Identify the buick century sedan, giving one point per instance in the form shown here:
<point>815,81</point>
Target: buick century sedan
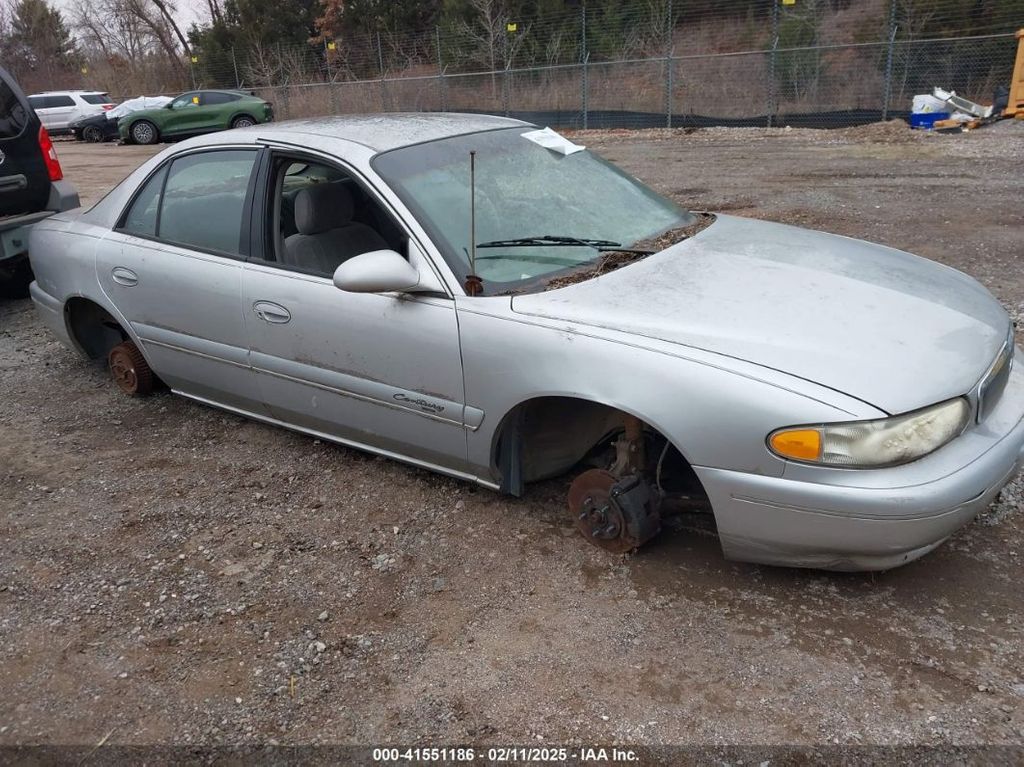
<point>490,300</point>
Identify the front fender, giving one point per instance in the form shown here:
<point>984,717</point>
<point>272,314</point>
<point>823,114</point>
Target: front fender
<point>717,411</point>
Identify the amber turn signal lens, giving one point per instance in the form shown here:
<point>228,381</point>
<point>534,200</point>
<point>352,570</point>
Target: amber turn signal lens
<point>801,444</point>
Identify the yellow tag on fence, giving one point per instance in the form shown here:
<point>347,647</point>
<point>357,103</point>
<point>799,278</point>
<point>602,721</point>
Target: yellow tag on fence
<point>511,26</point>
<point>331,45</point>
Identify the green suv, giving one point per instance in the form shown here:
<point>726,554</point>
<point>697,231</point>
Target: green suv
<point>192,113</point>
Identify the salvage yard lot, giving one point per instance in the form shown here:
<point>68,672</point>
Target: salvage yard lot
<point>172,573</point>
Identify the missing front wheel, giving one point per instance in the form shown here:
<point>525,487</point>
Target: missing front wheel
<point>617,515</point>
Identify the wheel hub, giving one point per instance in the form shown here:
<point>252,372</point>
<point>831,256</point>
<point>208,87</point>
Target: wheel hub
<point>129,369</point>
<point>616,515</point>
<point>595,515</point>
<point>123,371</point>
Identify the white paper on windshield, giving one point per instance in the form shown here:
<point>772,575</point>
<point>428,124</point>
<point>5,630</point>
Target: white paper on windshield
<point>548,139</point>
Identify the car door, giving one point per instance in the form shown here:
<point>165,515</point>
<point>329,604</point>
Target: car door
<point>377,370</point>
<point>47,115</point>
<point>173,269</point>
<point>184,114</point>
<point>59,111</point>
<point>214,110</point>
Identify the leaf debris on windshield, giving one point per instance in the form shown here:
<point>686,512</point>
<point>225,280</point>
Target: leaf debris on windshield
<point>617,259</point>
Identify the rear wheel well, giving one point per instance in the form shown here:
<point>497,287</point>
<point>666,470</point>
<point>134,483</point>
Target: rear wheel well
<point>547,436</point>
<point>93,329</point>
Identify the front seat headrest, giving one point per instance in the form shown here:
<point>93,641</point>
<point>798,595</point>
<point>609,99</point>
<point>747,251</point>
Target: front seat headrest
<point>322,207</point>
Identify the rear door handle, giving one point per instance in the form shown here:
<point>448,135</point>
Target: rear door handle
<point>268,311</point>
<point>123,276</point>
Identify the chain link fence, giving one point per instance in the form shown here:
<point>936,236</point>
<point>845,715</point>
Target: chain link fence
<point>812,63</point>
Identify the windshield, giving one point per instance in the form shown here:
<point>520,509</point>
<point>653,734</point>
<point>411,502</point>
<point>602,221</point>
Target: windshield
<point>522,191</point>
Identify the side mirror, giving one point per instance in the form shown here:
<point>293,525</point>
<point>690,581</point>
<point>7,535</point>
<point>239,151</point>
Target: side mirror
<point>379,271</point>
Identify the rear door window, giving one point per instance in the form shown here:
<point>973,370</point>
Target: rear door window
<point>197,201</point>
<point>37,102</point>
<point>218,98</point>
<point>13,115</point>
<point>204,200</point>
<point>59,101</point>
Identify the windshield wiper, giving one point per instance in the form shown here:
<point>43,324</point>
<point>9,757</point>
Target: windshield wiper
<point>548,240</point>
<point>533,259</point>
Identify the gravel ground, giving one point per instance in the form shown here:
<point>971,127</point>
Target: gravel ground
<point>174,574</point>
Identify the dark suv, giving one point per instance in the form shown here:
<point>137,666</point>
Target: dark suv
<point>31,184</point>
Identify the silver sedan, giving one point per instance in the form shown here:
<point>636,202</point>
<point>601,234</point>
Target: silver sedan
<point>488,300</point>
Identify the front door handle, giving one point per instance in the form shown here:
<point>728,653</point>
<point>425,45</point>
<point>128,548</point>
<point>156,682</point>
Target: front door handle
<point>268,311</point>
<point>125,277</point>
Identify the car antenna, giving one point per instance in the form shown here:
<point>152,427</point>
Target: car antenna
<point>473,285</point>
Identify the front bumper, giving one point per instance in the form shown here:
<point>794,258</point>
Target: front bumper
<point>838,519</point>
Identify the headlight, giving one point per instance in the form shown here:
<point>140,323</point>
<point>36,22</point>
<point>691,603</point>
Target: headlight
<point>864,444</point>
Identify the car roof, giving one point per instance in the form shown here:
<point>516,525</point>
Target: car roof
<point>383,132</point>
<point>232,91</point>
<point>54,93</point>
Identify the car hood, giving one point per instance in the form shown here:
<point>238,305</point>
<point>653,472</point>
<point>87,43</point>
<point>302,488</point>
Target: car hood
<point>89,120</point>
<point>891,329</point>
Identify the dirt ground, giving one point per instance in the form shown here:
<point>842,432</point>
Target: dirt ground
<point>174,574</point>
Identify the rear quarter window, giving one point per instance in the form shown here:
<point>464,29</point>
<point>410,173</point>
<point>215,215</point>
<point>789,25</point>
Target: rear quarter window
<point>141,217</point>
<point>13,115</point>
<point>219,98</point>
<point>96,98</point>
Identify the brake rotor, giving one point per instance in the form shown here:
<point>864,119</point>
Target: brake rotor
<point>129,369</point>
<point>595,515</point>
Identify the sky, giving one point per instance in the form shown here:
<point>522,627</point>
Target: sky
<point>188,11</point>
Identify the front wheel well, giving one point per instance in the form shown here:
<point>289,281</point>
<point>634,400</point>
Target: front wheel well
<point>547,436</point>
<point>93,329</point>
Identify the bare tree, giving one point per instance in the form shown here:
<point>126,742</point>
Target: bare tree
<point>489,31</point>
<point>133,46</point>
<point>108,25</point>
<point>133,29</point>
<point>296,62</point>
<point>263,65</point>
<point>216,15</point>
<point>5,25</point>
<point>652,34</point>
<point>167,16</point>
